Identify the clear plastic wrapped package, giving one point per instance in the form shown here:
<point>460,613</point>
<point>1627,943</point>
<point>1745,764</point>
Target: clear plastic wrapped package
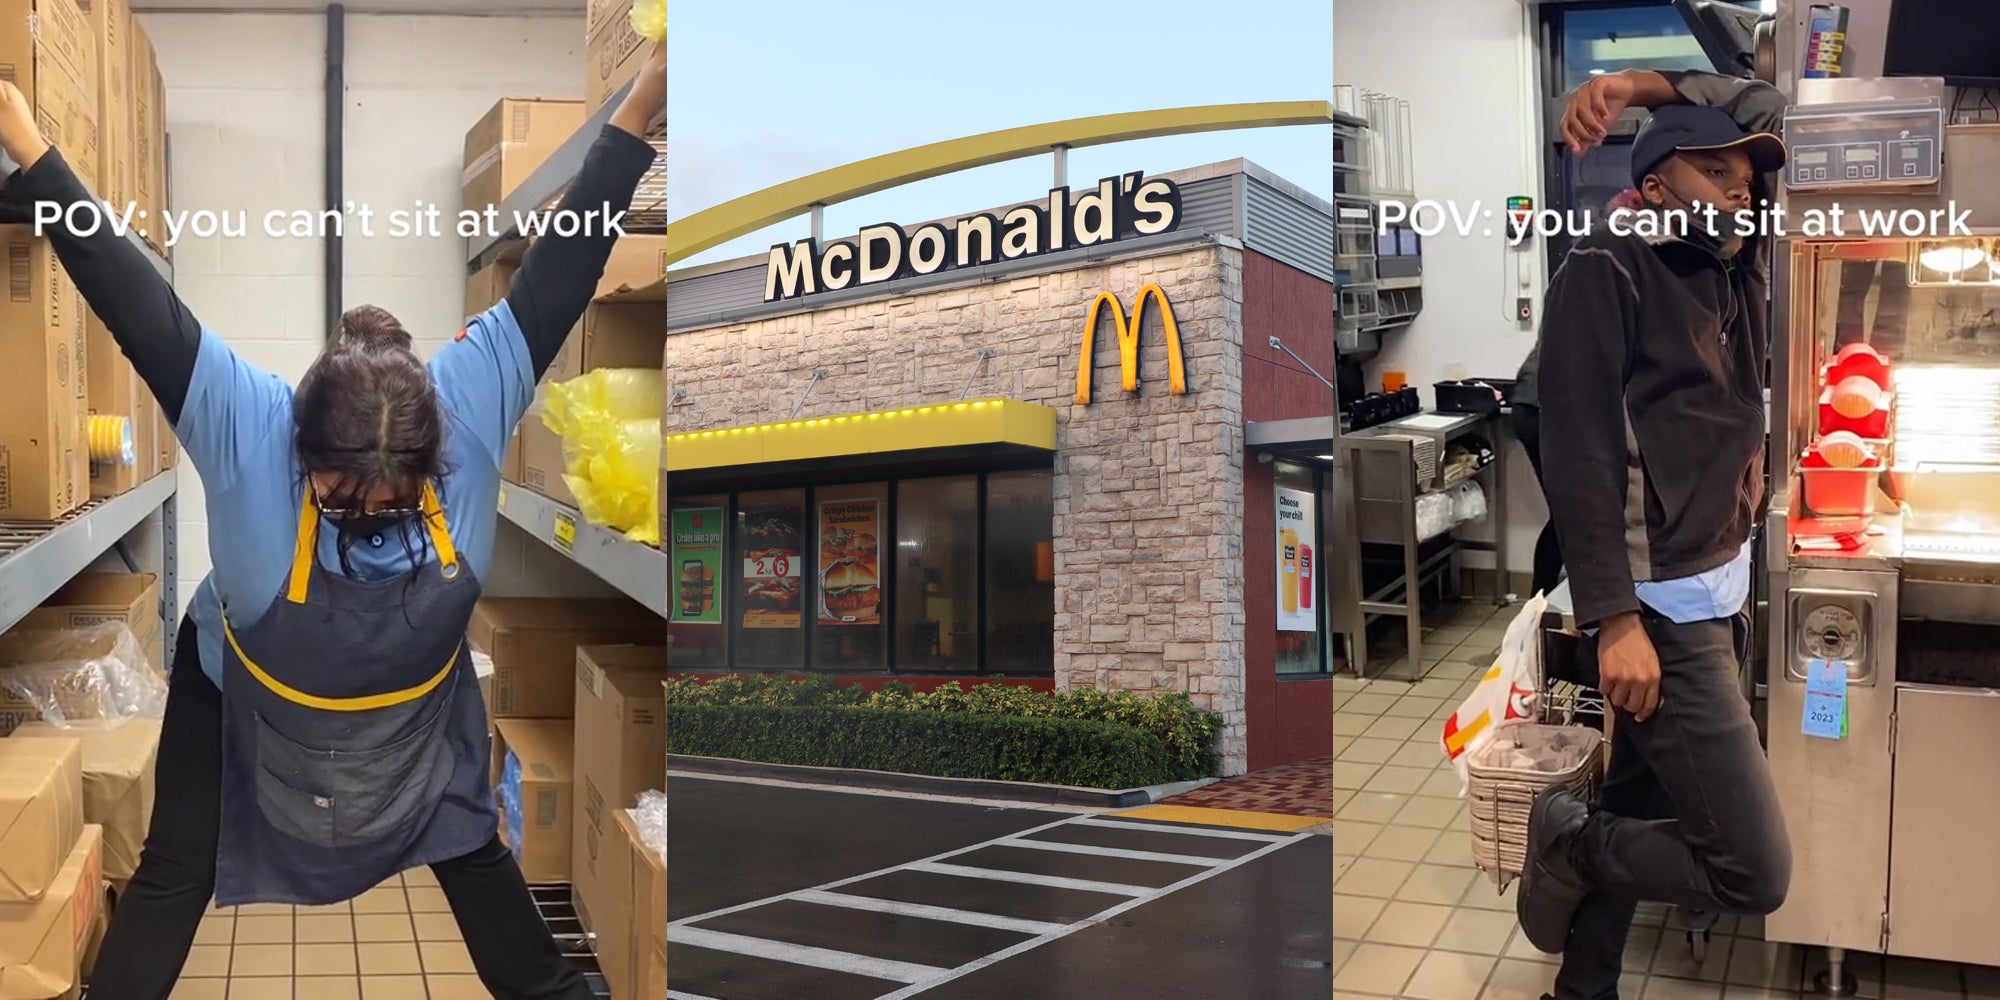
<point>82,676</point>
<point>651,819</point>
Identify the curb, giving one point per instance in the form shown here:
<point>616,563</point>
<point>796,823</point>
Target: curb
<point>925,784</point>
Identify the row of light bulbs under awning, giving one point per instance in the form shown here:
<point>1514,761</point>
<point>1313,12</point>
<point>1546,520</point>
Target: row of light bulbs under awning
<point>973,423</point>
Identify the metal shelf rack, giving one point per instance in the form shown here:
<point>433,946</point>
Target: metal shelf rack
<point>638,571</point>
<point>37,558</point>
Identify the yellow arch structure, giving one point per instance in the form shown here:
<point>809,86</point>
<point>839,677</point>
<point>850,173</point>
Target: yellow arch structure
<point>715,226</point>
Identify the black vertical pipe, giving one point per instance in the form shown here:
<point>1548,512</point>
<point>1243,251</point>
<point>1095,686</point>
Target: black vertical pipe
<point>336,150</point>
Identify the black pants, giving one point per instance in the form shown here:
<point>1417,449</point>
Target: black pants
<point>156,919</point>
<point>1548,552</point>
<point>1724,849</point>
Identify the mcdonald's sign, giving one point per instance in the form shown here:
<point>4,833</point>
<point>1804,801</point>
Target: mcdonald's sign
<point>1128,341</point>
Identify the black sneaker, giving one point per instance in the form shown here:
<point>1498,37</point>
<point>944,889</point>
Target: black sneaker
<point>1551,888</point>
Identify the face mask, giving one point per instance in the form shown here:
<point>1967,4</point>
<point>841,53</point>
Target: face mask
<point>1714,233</point>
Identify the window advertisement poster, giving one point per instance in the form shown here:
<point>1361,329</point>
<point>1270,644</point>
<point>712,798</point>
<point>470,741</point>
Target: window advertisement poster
<point>771,535</point>
<point>697,561</point>
<point>1296,545</point>
<point>850,591</point>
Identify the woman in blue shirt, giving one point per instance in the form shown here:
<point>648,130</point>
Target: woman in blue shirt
<point>324,730</point>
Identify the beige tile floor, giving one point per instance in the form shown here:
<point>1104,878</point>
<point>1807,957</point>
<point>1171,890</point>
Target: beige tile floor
<point>397,942</point>
<point>1413,919</point>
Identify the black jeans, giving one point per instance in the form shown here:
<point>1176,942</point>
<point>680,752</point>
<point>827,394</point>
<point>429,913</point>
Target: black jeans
<point>1724,849</point>
<point>156,919</point>
<point>1548,552</point>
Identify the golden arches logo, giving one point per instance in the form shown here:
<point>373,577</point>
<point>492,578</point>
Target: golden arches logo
<point>1128,341</point>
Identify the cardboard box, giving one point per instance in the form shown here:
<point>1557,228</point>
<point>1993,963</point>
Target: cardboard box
<point>148,153</point>
<point>654,981</point>
<point>488,286</point>
<point>118,763</point>
<point>41,814</point>
<point>638,262</point>
<point>632,916</point>
<point>532,764</point>
<point>533,644</point>
<point>111,30</point>
<point>169,457</point>
<point>622,334</point>
<point>161,180</point>
<point>113,392</point>
<point>508,142</point>
<point>613,52</point>
<point>55,64</point>
<point>43,944</point>
<point>92,599</point>
<point>44,468</point>
<point>649,888</point>
<point>620,727</point>
<point>512,469</point>
<point>542,460</point>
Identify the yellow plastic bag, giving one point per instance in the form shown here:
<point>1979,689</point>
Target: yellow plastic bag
<point>649,19</point>
<point>609,422</point>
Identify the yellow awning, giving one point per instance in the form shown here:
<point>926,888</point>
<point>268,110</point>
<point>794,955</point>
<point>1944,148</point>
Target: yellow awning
<point>1004,423</point>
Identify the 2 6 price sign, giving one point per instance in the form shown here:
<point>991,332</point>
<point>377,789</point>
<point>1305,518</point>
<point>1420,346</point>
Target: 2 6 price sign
<point>771,564</point>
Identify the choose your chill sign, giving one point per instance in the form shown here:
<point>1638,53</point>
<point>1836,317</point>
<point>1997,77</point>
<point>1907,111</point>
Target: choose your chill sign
<point>1295,560</point>
<point>1118,208</point>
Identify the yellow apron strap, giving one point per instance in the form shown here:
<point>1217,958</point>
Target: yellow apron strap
<point>434,522</point>
<point>304,552</point>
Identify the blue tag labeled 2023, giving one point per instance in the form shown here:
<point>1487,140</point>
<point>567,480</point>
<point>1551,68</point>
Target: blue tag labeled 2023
<point>1826,700</point>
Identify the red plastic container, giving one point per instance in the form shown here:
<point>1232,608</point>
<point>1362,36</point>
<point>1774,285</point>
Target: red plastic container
<point>1831,492</point>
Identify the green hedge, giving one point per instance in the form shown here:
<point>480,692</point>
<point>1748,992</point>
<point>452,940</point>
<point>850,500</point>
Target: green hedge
<point>1077,752</point>
<point>1187,733</point>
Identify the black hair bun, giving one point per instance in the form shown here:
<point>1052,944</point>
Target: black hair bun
<point>372,328</point>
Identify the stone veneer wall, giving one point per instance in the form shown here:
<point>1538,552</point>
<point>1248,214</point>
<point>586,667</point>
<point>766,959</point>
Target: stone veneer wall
<point>1148,486</point>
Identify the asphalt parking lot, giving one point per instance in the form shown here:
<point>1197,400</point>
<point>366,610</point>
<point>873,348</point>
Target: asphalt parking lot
<point>780,892</point>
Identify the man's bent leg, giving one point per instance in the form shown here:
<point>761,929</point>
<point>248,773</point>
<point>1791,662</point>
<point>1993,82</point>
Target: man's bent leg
<point>1595,957</point>
<point>1727,850</point>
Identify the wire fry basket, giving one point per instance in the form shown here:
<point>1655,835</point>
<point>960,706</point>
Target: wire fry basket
<point>1504,778</point>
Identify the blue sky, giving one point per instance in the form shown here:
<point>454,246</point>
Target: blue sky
<point>767,91</point>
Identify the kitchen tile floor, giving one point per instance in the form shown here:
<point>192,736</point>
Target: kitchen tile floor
<point>1412,919</point>
<point>396,942</point>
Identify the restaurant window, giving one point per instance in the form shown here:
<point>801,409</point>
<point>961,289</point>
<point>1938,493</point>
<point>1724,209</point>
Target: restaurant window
<point>937,574</point>
<point>769,616</point>
<point>1300,580</point>
<point>696,626</point>
<point>1020,572</point>
<point>847,592</point>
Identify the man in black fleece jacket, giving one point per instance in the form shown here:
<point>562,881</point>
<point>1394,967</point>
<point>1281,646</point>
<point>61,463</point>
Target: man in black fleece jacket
<point>1652,363</point>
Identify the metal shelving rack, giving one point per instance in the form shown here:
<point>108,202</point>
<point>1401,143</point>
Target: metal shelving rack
<point>38,557</point>
<point>638,571</point>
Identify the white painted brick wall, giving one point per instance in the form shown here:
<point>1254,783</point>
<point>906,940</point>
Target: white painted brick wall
<point>245,111</point>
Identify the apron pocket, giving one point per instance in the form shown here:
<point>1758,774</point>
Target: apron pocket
<point>352,798</point>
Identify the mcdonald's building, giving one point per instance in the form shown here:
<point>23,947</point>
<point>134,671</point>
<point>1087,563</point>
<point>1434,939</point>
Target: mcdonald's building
<point>1068,441</point>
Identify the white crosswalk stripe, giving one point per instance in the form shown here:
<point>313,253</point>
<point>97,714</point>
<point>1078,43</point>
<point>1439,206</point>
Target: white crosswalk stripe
<point>1060,847</point>
<point>919,978</point>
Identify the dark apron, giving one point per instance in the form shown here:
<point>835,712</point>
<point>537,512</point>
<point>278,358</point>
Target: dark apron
<point>354,736</point>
